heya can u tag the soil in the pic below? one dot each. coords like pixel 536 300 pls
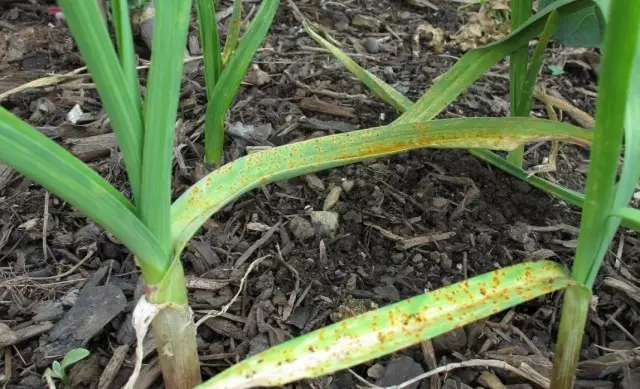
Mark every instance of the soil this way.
pixel 54 259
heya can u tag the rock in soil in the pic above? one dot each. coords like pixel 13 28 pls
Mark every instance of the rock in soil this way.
pixel 94 308
pixel 258 344
pixel 332 198
pixel 454 340
pixel 347 185
pixel 387 292
pixel 325 223
pixel 372 46
pixel 314 182
pixel 400 370
pixel 376 371
pixel 368 22
pixel 301 228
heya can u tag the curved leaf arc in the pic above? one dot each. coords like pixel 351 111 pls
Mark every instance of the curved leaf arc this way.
pixel 230 181
pixel 394 327
pixel 471 66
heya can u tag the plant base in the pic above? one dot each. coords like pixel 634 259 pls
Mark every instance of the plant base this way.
pixel 175 337
pixel 575 310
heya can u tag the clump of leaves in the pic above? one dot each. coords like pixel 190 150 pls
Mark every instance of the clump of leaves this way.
pixel 58 370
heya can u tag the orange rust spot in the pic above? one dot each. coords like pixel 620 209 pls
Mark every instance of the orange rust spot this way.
pixel 527 274
pixel 483 291
pixel 495 280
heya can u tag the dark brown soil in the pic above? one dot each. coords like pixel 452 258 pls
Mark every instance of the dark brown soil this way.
pixel 495 219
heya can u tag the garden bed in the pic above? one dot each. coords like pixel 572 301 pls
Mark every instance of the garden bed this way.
pixel 406 224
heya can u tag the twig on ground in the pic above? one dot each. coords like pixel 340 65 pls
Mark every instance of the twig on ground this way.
pixel 325 92
pixel 293 296
pixel 9 337
pixel 45 225
pixel 489 342
pixel 579 115
pixel 429 356
pixel 12 281
pixel 72 75
pixel 225 308
pixel 256 245
pixel 624 330
pixel 524 371
pixel 113 367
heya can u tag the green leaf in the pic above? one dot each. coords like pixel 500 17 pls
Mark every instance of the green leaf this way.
pixel 630 174
pixel 614 95
pixel 48 373
pixel 520 13
pixel 556 190
pixel 575 310
pixel 34 155
pixel 124 38
pixel 160 110
pixel 73 356
pixel 231 77
pixel 630 215
pixel 230 181
pixel 604 8
pixel 556 70
pixel 452 88
pixel 90 33
pixel 234 31
pixel 529 82
pixel 58 371
pixel 396 99
pixel 210 41
pixel 524 96
pixel 584 28
pixel 394 327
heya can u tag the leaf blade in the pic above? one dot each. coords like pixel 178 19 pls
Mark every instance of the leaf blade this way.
pixel 231 77
pixel 394 327
pixel 458 84
pixel 210 40
pixel 234 31
pixel 73 356
pixel 396 99
pixel 630 174
pixel 35 156
pixel 124 39
pixel 613 96
pixel 90 33
pixel 230 181
pixel 160 111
